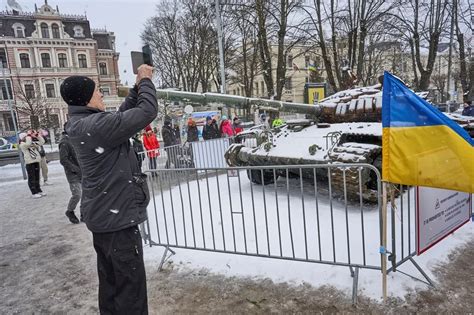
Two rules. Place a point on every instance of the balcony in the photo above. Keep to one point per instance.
(37, 71)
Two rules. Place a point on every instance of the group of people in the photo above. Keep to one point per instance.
(226, 129)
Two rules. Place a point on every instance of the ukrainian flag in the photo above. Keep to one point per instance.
(421, 146)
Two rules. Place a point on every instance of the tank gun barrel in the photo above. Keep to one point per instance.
(236, 101)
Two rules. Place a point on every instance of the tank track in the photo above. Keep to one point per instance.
(353, 152)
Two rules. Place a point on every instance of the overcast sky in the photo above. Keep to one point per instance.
(125, 18)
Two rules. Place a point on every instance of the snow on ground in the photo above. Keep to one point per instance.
(12, 172)
(196, 205)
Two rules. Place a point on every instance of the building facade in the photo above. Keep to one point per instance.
(37, 52)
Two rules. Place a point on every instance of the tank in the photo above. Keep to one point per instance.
(343, 128)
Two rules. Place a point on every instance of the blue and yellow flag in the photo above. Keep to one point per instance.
(421, 146)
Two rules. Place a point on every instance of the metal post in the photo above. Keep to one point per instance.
(450, 62)
(384, 240)
(12, 113)
(221, 46)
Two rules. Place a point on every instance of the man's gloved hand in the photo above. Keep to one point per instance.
(144, 72)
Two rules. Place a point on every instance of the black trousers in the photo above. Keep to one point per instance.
(33, 171)
(122, 279)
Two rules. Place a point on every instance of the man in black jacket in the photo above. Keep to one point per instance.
(114, 191)
(170, 141)
(68, 159)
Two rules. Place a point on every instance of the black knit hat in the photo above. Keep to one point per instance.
(77, 90)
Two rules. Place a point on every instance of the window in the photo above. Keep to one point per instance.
(82, 61)
(19, 30)
(288, 84)
(29, 91)
(306, 61)
(50, 93)
(44, 30)
(8, 122)
(289, 61)
(105, 91)
(62, 60)
(6, 94)
(55, 29)
(256, 87)
(102, 68)
(25, 60)
(263, 87)
(3, 58)
(78, 31)
(46, 60)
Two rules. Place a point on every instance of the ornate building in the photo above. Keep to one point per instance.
(38, 51)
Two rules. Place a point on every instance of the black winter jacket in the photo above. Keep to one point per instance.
(68, 159)
(114, 191)
(193, 135)
(210, 132)
(169, 136)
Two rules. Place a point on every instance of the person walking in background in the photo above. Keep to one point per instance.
(193, 134)
(115, 193)
(29, 146)
(151, 144)
(210, 130)
(237, 126)
(177, 134)
(68, 159)
(169, 139)
(226, 130)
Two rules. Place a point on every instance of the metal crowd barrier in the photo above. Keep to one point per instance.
(201, 154)
(299, 214)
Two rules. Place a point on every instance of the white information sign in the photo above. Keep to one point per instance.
(439, 213)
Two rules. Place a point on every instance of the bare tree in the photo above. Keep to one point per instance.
(463, 18)
(341, 30)
(425, 21)
(274, 21)
(30, 103)
(183, 39)
(244, 60)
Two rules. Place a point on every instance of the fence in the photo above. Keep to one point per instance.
(202, 154)
(300, 214)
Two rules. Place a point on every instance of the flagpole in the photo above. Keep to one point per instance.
(384, 241)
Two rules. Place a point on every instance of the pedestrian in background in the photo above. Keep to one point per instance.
(151, 144)
(68, 159)
(237, 126)
(114, 190)
(226, 130)
(210, 130)
(169, 139)
(468, 109)
(193, 134)
(29, 145)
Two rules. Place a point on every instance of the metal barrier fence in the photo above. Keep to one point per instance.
(201, 154)
(302, 213)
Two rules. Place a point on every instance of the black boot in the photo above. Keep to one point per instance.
(72, 217)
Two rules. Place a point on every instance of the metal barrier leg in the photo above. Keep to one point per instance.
(422, 272)
(352, 271)
(355, 284)
(164, 258)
